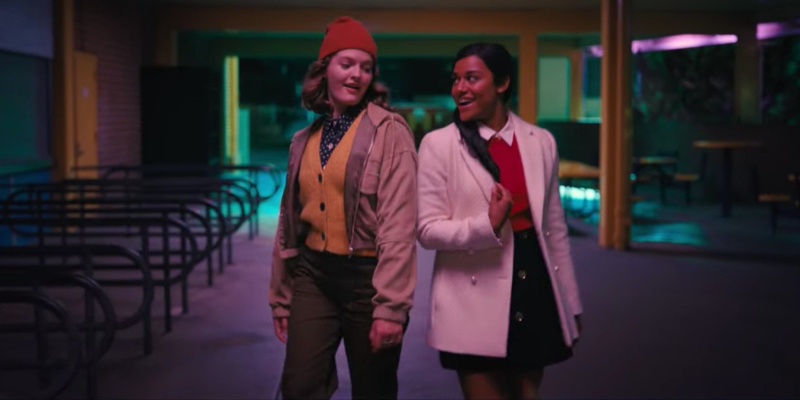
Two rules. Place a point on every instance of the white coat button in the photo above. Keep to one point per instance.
(474, 280)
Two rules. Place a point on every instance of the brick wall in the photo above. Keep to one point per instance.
(112, 30)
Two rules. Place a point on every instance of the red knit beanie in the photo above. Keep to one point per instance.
(347, 33)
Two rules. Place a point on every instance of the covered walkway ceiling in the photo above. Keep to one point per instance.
(763, 10)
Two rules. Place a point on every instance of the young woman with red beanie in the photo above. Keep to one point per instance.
(344, 259)
(504, 299)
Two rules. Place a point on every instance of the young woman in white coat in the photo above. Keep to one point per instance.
(504, 299)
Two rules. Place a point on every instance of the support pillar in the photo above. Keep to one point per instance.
(231, 98)
(528, 55)
(576, 84)
(616, 126)
(63, 89)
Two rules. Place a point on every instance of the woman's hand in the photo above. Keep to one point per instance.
(281, 327)
(499, 207)
(385, 334)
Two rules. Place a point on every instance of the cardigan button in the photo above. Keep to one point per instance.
(322, 206)
(474, 280)
(518, 316)
(555, 268)
(522, 274)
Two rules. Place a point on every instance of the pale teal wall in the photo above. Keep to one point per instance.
(553, 88)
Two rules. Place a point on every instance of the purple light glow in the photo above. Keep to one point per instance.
(765, 30)
(595, 50)
(670, 43)
(768, 30)
(681, 42)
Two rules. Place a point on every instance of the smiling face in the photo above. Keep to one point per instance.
(349, 75)
(474, 91)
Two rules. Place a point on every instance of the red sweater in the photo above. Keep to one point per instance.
(512, 177)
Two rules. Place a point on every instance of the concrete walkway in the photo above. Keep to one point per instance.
(662, 321)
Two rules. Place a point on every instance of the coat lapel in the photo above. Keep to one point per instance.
(533, 163)
(481, 175)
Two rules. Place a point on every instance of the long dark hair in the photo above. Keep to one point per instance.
(500, 63)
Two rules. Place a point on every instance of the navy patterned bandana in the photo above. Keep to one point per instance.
(333, 130)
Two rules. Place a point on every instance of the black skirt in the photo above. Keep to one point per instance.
(535, 338)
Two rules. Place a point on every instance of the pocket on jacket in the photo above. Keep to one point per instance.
(369, 182)
(367, 221)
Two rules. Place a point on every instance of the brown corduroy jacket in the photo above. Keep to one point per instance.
(380, 212)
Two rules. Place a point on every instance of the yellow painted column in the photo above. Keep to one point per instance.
(63, 88)
(527, 55)
(231, 88)
(616, 126)
(747, 85)
(576, 84)
(86, 99)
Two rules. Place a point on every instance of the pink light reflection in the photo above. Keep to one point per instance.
(681, 42)
(675, 42)
(765, 30)
(768, 30)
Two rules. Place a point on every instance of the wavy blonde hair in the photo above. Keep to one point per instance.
(315, 88)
